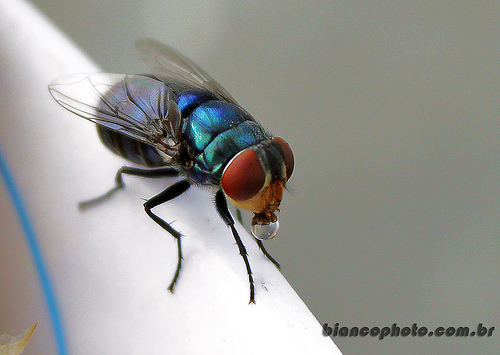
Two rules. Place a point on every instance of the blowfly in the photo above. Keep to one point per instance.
(179, 120)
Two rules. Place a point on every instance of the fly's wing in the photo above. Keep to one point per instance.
(167, 63)
(137, 106)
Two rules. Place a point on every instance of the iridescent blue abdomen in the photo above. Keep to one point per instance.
(213, 131)
(216, 131)
(131, 149)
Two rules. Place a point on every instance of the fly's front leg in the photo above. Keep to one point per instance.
(266, 253)
(259, 242)
(119, 184)
(221, 205)
(164, 196)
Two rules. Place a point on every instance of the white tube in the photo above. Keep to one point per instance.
(104, 272)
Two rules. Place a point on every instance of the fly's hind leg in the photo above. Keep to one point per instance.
(166, 195)
(119, 184)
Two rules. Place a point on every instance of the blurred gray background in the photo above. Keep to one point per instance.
(392, 110)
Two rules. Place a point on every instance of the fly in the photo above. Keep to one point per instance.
(181, 121)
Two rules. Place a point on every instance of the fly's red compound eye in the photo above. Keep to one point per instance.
(243, 177)
(288, 155)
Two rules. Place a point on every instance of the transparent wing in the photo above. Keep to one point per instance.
(134, 105)
(166, 62)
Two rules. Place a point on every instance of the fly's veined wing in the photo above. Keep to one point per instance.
(166, 62)
(134, 105)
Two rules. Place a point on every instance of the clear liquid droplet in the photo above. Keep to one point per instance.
(264, 231)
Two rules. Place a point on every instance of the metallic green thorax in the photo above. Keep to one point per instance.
(216, 131)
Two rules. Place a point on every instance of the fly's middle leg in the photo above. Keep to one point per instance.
(166, 195)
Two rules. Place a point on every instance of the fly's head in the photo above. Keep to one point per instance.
(254, 180)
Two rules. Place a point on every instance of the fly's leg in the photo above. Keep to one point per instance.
(239, 217)
(119, 184)
(164, 196)
(221, 205)
(266, 253)
(259, 242)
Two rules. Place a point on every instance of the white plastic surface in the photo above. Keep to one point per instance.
(110, 266)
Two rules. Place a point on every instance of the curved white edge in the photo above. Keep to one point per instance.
(108, 268)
